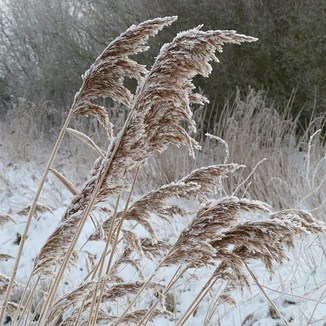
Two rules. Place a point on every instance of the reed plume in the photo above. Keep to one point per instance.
(100, 81)
(161, 104)
(85, 291)
(225, 233)
(264, 240)
(106, 75)
(210, 222)
(242, 242)
(195, 185)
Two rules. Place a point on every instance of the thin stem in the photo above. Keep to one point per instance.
(212, 308)
(23, 297)
(85, 214)
(114, 246)
(90, 315)
(40, 319)
(121, 222)
(109, 238)
(137, 296)
(225, 144)
(308, 156)
(32, 317)
(266, 295)
(80, 312)
(199, 298)
(311, 319)
(173, 280)
(144, 286)
(248, 177)
(293, 295)
(100, 265)
(29, 302)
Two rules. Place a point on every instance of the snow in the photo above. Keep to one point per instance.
(298, 287)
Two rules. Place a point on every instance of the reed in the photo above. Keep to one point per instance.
(216, 236)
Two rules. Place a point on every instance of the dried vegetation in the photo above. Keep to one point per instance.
(223, 232)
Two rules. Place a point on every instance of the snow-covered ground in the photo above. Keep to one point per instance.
(298, 288)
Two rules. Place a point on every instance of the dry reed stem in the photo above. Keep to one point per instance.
(30, 320)
(110, 235)
(25, 303)
(308, 156)
(115, 237)
(198, 299)
(225, 144)
(162, 296)
(113, 241)
(248, 177)
(272, 303)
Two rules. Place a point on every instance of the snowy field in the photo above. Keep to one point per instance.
(298, 287)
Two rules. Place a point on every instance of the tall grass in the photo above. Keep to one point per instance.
(218, 236)
(293, 172)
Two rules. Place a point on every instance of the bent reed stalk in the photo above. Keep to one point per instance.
(160, 116)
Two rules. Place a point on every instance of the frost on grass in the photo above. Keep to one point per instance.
(124, 266)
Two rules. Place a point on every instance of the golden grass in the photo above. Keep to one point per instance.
(160, 116)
